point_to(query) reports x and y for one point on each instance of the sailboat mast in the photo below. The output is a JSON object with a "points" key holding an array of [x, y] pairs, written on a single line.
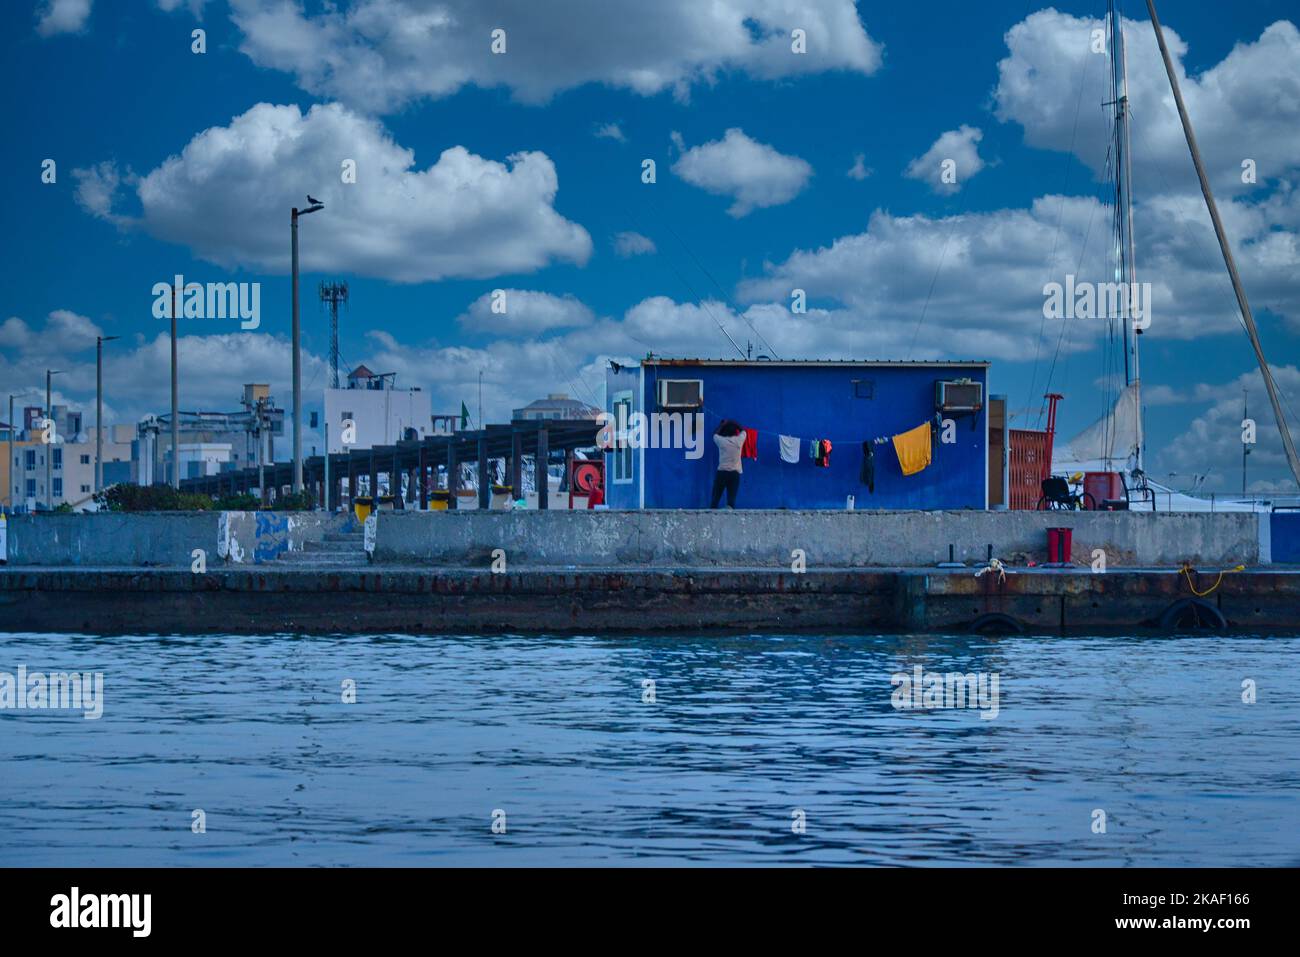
{"points": [[1245, 446], [1247, 316], [1127, 248]]}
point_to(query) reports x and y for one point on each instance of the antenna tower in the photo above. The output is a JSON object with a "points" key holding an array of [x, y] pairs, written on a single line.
{"points": [[334, 293]]}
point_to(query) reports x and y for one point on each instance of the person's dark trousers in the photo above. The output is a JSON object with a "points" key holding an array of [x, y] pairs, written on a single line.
{"points": [[728, 481]]}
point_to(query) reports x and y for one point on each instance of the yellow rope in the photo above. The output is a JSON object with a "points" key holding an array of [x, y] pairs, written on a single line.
{"points": [[1187, 572]]}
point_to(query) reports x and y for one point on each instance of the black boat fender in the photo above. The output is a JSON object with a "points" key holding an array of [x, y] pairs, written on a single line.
{"points": [[995, 623], [1192, 613]]}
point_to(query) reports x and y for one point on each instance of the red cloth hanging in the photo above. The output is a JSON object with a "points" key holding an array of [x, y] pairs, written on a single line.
{"points": [[750, 449], [823, 458]]}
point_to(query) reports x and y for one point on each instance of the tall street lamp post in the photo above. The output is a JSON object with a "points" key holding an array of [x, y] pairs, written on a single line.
{"points": [[12, 466], [99, 409], [297, 345], [176, 416]]}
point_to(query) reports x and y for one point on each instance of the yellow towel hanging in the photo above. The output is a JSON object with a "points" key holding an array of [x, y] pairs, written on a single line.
{"points": [[913, 448]]}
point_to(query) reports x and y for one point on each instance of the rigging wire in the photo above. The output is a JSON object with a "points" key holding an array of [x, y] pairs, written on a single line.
{"points": [[1066, 325], [1060, 213], [1223, 291], [933, 280], [706, 272], [695, 295]]}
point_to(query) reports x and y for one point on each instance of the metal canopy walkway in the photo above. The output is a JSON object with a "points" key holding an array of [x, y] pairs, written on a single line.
{"points": [[418, 459]]}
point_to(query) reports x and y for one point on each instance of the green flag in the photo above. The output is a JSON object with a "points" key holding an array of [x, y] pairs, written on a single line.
{"points": [[464, 416]]}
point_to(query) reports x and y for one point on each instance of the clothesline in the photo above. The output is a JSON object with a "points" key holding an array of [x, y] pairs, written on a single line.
{"points": [[878, 440]]}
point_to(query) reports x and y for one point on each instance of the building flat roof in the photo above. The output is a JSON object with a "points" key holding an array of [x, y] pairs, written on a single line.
{"points": [[565, 403], [920, 363]]}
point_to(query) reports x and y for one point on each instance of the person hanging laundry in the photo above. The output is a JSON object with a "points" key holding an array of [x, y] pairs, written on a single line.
{"points": [[823, 457], [913, 448], [730, 440], [750, 450], [789, 448], [868, 473]]}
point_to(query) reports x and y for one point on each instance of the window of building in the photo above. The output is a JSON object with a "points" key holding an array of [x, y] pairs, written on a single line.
{"points": [[622, 454], [85, 488], [58, 458], [29, 459], [58, 488], [31, 488], [85, 460]]}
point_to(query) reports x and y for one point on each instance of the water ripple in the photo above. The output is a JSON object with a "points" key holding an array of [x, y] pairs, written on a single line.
{"points": [[743, 732]]}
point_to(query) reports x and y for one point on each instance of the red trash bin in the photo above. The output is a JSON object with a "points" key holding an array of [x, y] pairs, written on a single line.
{"points": [[1103, 486], [1059, 545]]}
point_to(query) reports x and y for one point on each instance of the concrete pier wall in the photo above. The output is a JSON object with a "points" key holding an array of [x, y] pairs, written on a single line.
{"points": [[651, 539], [827, 539], [274, 598], [157, 539], [111, 538]]}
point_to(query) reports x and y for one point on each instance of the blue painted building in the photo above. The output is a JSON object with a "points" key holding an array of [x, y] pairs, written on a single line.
{"points": [[847, 402]]}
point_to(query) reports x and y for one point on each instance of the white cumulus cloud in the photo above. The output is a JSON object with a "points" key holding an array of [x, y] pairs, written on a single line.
{"points": [[227, 196], [379, 55], [1211, 443], [950, 162], [523, 312], [628, 244], [1247, 106], [753, 174], [859, 170], [194, 6], [136, 367], [62, 16], [979, 277]]}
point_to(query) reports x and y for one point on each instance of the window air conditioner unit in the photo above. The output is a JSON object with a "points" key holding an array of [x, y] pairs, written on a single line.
{"points": [[681, 393], [960, 395]]}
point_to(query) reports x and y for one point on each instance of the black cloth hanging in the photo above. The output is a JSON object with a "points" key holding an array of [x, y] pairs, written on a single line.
{"points": [[868, 473]]}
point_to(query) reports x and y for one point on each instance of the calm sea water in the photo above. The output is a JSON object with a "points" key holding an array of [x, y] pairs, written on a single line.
{"points": [[743, 733]]}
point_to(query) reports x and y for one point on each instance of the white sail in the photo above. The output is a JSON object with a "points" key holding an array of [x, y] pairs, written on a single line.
{"points": [[1113, 438]]}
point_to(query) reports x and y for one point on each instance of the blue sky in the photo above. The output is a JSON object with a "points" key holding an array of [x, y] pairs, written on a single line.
{"points": [[113, 93]]}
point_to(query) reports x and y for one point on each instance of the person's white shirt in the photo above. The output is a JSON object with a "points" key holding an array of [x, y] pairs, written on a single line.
{"points": [[729, 449]]}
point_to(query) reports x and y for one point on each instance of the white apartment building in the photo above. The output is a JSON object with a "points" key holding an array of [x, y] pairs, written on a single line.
{"points": [[199, 459], [381, 414], [70, 468]]}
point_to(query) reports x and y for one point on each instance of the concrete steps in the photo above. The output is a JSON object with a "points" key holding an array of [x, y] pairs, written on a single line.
{"points": [[309, 560], [335, 550], [335, 546]]}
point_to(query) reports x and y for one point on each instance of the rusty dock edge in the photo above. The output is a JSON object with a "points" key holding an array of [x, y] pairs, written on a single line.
{"points": [[263, 600]]}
